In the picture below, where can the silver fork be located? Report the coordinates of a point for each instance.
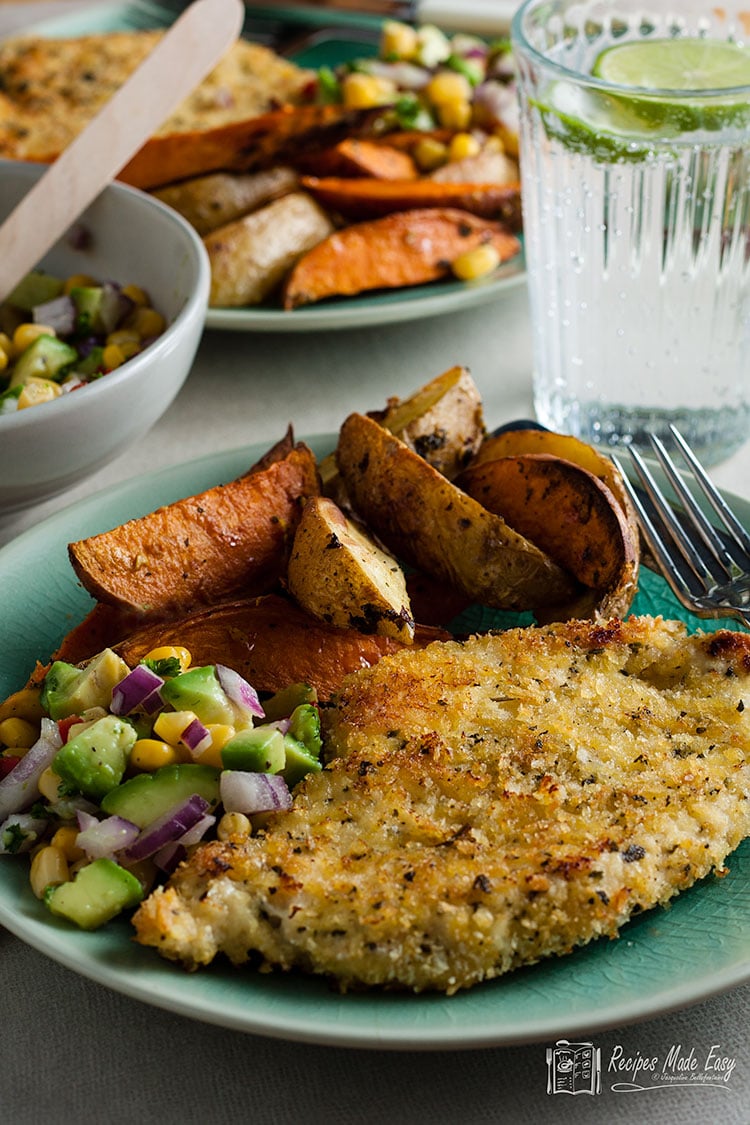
(708, 569)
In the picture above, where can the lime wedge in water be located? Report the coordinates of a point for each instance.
(617, 124)
(675, 64)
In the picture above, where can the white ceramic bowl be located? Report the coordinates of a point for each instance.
(134, 239)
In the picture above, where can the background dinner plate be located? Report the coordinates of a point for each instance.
(664, 959)
(316, 46)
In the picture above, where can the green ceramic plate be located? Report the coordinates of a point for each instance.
(322, 47)
(665, 959)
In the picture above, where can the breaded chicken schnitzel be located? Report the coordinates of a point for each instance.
(486, 804)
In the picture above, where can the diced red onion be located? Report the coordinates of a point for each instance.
(239, 691)
(113, 307)
(170, 856)
(20, 787)
(102, 839)
(167, 828)
(196, 737)
(195, 834)
(499, 101)
(245, 792)
(59, 313)
(405, 75)
(32, 828)
(281, 724)
(138, 689)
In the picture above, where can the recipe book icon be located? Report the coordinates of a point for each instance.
(573, 1068)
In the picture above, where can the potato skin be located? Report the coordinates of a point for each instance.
(211, 201)
(250, 257)
(429, 522)
(339, 575)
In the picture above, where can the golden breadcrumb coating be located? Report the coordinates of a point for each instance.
(487, 804)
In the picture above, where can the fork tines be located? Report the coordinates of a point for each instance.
(708, 569)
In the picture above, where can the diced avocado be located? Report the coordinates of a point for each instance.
(147, 796)
(69, 690)
(46, 357)
(91, 363)
(88, 302)
(297, 761)
(281, 704)
(94, 760)
(199, 690)
(304, 725)
(99, 891)
(35, 289)
(258, 749)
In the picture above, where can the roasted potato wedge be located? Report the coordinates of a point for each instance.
(428, 522)
(339, 575)
(211, 201)
(251, 257)
(234, 538)
(272, 643)
(570, 514)
(443, 422)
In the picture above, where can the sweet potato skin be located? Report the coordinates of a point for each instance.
(232, 538)
(272, 643)
(402, 249)
(369, 198)
(357, 156)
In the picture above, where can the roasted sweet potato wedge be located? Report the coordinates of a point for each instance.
(242, 146)
(406, 248)
(370, 198)
(360, 157)
(428, 522)
(234, 538)
(508, 443)
(566, 511)
(271, 642)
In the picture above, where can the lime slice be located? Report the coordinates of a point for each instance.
(664, 75)
(675, 64)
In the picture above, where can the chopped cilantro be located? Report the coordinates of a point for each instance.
(166, 668)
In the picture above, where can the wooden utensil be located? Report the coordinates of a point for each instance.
(183, 57)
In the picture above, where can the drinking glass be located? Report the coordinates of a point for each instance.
(636, 201)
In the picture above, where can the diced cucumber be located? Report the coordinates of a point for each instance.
(46, 357)
(35, 289)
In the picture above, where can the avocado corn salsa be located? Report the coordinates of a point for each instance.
(58, 335)
(109, 775)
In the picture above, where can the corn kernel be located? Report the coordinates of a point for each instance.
(65, 839)
(171, 652)
(3, 359)
(6, 343)
(510, 141)
(494, 143)
(454, 115)
(448, 86)
(220, 735)
(48, 867)
(169, 725)
(476, 263)
(36, 391)
(78, 281)
(129, 348)
(149, 754)
(363, 91)
(26, 333)
(234, 825)
(135, 294)
(463, 145)
(112, 356)
(49, 784)
(26, 704)
(398, 40)
(123, 336)
(430, 153)
(18, 732)
(147, 322)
